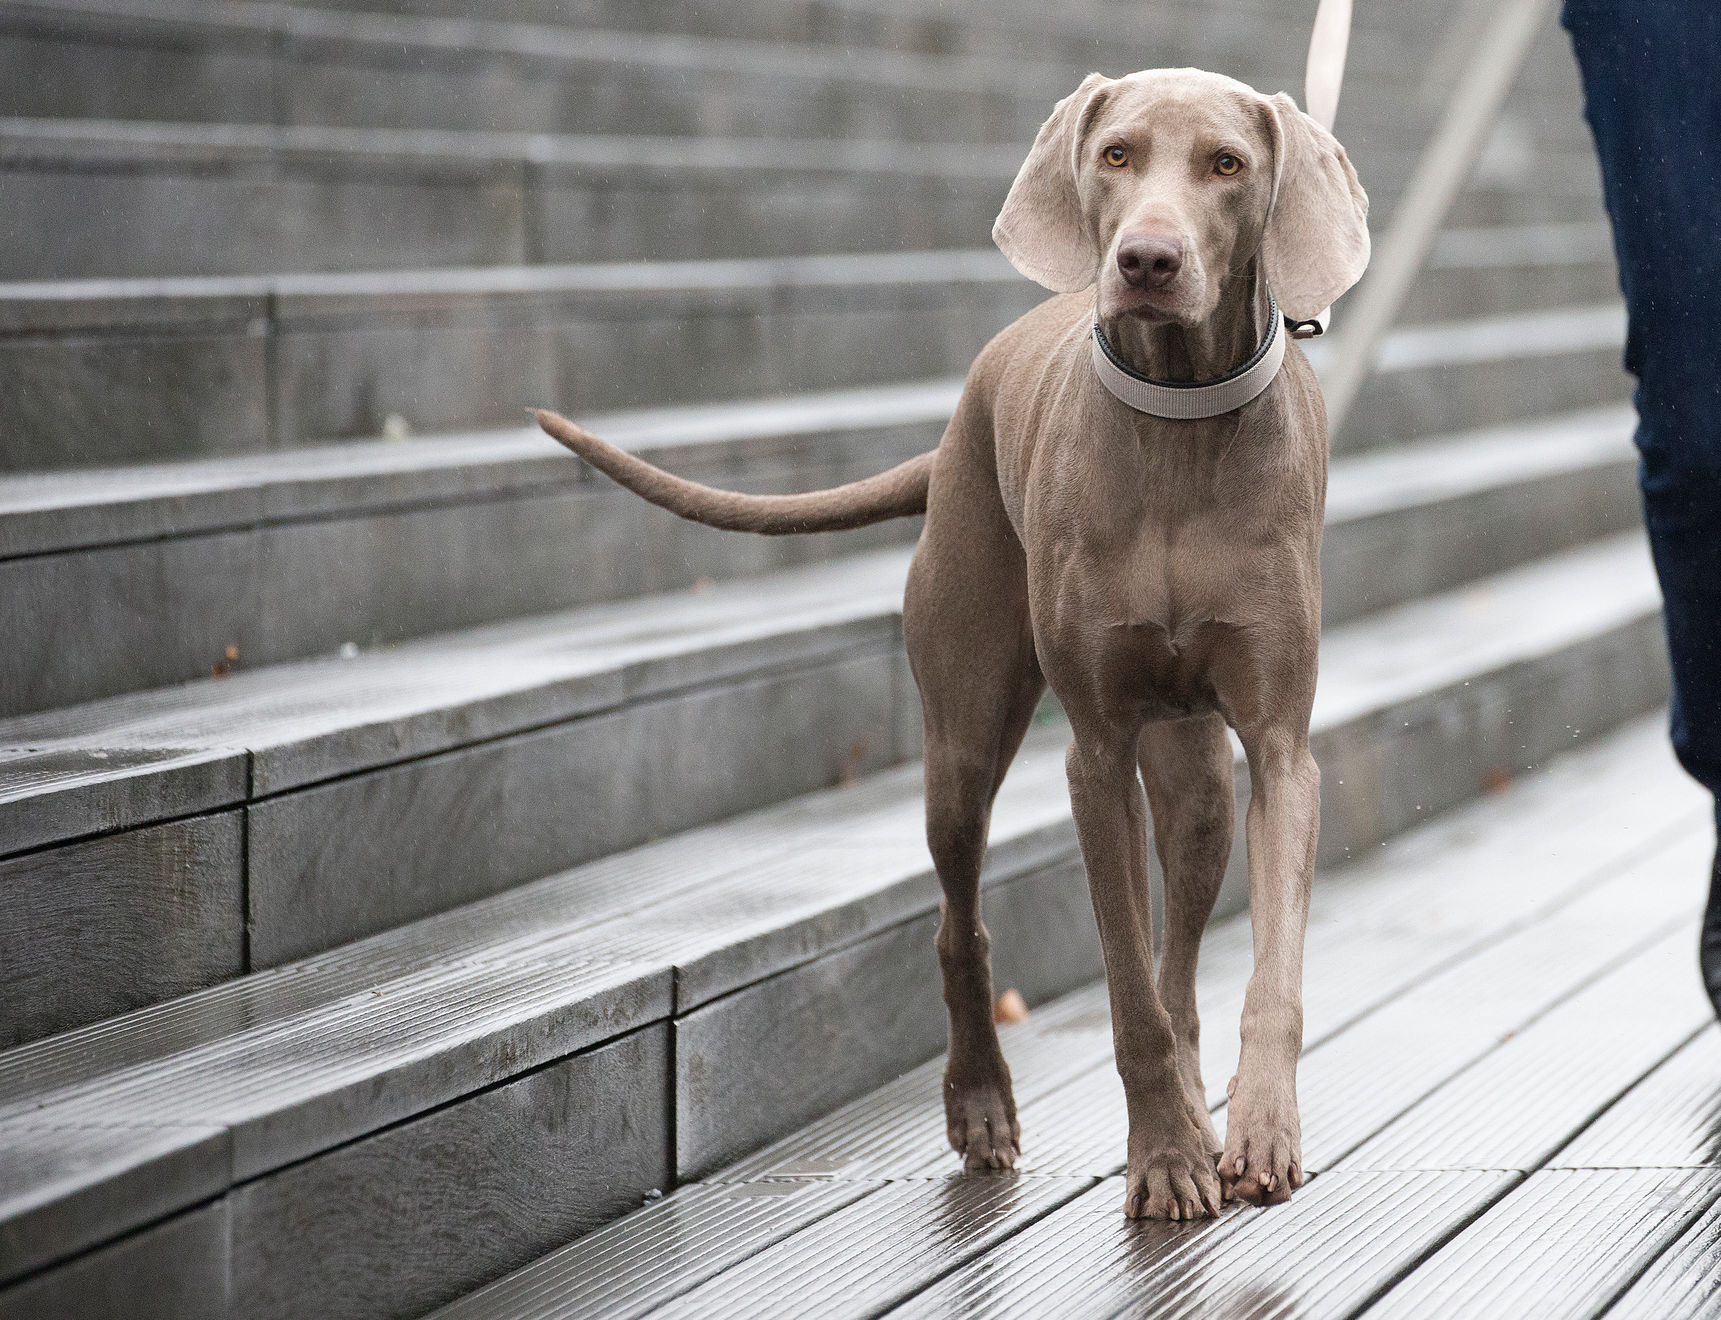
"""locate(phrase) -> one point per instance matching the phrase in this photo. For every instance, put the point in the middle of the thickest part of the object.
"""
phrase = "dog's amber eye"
(1227, 164)
(1116, 157)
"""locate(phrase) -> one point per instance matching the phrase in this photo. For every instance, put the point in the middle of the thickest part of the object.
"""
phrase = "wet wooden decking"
(1510, 1092)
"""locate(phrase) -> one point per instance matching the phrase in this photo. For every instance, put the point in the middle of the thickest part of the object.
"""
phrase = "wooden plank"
(1685, 1280)
(1346, 1237)
(1359, 1080)
(657, 1253)
(1521, 1102)
(1671, 1118)
(1560, 1247)
(877, 1251)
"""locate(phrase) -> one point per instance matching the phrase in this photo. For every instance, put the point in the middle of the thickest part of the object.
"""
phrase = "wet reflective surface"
(1516, 1113)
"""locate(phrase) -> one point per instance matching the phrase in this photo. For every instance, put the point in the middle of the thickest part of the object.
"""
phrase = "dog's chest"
(1178, 575)
(1178, 602)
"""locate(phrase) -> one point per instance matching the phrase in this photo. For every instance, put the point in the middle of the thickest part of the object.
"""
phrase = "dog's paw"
(1263, 1158)
(980, 1119)
(1174, 1184)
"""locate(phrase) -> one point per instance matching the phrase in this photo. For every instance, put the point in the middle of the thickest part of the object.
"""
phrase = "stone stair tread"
(265, 351)
(1564, 1243)
(792, 314)
(1486, 339)
(1666, 1121)
(1081, 1125)
(1491, 624)
(1518, 1105)
(1681, 1281)
(76, 508)
(1074, 20)
(548, 44)
(1379, 928)
(294, 724)
(370, 1034)
(1446, 467)
(88, 304)
(136, 141)
(1545, 243)
(92, 303)
(79, 507)
(95, 141)
(560, 44)
(288, 725)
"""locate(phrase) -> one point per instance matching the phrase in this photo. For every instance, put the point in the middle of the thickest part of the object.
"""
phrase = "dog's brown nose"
(1149, 261)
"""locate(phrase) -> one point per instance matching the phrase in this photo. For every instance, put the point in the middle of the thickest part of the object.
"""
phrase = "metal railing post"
(1441, 173)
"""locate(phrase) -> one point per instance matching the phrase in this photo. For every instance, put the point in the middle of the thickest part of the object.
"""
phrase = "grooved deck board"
(1560, 1247)
(876, 1251)
(1516, 1105)
(1088, 1261)
(1685, 1279)
(1672, 1118)
(1484, 990)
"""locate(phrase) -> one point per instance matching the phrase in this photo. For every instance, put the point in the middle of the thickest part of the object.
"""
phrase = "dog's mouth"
(1153, 306)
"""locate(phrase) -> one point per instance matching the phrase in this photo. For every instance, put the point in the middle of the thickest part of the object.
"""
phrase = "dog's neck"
(1223, 342)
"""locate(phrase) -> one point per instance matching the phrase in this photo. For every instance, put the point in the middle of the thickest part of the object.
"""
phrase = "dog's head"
(1159, 185)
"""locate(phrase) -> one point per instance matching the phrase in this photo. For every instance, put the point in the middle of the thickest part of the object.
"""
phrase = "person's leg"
(1654, 105)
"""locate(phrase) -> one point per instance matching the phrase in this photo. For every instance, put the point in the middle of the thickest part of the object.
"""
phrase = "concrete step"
(100, 372)
(266, 63)
(178, 563)
(1396, 944)
(161, 842)
(235, 1103)
(262, 63)
(1456, 375)
(118, 199)
(1070, 33)
(373, 790)
(109, 198)
(358, 785)
(404, 852)
(1499, 270)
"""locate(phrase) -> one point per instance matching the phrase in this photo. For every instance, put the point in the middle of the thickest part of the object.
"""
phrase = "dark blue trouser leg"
(1653, 99)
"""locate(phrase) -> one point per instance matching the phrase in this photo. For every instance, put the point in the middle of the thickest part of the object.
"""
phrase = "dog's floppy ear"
(1041, 227)
(1316, 244)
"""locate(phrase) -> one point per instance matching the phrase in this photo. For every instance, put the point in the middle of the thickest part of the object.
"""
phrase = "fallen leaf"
(1011, 1007)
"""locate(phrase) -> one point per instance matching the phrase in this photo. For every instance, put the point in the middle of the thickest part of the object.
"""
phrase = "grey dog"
(1162, 575)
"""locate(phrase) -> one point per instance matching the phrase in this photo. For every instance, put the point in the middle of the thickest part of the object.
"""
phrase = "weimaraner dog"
(1162, 575)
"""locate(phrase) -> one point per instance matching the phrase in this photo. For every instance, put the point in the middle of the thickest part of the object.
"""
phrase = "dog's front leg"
(1171, 1174)
(1263, 1159)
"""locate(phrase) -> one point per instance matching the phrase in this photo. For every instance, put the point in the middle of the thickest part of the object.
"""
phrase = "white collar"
(1197, 399)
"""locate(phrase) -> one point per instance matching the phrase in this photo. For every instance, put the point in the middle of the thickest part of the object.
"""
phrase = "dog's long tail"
(898, 493)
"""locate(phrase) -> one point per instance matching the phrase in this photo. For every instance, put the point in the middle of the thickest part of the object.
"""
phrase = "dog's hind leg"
(965, 619)
(1186, 768)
